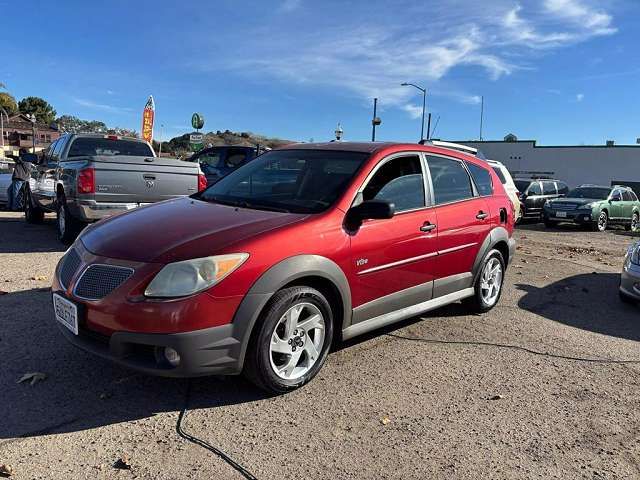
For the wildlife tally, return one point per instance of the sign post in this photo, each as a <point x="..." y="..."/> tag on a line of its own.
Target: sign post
<point x="196" y="139"/>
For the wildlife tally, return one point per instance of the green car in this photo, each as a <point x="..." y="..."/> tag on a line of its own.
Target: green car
<point x="595" y="206"/>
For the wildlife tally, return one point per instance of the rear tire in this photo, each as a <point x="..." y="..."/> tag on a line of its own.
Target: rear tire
<point x="32" y="214"/>
<point x="488" y="285"/>
<point x="549" y="224"/>
<point x="68" y="226"/>
<point x="291" y="340"/>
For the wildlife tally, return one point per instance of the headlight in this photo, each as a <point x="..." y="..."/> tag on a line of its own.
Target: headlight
<point x="586" y="206"/>
<point x="634" y="254"/>
<point x="191" y="276"/>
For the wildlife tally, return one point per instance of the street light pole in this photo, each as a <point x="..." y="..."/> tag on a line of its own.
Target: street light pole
<point x="2" y="112"/>
<point x="424" y="105"/>
<point x="32" y="119"/>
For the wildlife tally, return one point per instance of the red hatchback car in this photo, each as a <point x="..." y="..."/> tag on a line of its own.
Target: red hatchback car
<point x="303" y="246"/>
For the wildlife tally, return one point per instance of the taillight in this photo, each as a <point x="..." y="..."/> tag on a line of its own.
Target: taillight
<point x="202" y="182"/>
<point x="87" y="180"/>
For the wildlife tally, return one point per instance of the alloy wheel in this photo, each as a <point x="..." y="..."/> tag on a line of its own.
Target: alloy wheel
<point x="634" y="222"/>
<point x="491" y="281"/>
<point x="602" y="221"/>
<point x="297" y="341"/>
<point x="62" y="222"/>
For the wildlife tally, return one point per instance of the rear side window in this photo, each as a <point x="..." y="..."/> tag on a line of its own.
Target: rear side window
<point x="399" y="181"/>
<point x="562" y="188"/>
<point x="626" y="196"/>
<point x="450" y="180"/>
<point x="534" y="189"/>
<point x="500" y="175"/>
<point x="634" y="198"/>
<point x="91" y="146"/>
<point x="482" y="179"/>
<point x="548" y="188"/>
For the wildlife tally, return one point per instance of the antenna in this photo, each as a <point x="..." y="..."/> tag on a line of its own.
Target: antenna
<point x="481" y="115"/>
<point x="433" y="132"/>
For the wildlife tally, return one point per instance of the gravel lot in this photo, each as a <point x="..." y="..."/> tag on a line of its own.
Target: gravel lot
<point x="382" y="407"/>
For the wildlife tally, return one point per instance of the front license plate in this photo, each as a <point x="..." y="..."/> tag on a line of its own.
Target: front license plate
<point x="66" y="313"/>
<point x="561" y="214"/>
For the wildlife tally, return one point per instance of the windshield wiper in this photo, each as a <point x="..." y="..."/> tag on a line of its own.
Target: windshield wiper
<point x="244" y="204"/>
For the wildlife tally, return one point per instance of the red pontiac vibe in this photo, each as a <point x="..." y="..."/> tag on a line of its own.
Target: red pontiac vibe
<point x="300" y="247"/>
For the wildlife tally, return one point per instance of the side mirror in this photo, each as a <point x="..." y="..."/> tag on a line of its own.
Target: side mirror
<point x="369" y="210"/>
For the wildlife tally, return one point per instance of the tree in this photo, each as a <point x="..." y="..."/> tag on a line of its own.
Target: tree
<point x="43" y="111"/>
<point x="71" y="124"/>
<point x="7" y="102"/>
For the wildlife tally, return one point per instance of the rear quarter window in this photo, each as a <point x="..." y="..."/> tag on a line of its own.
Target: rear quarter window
<point x="482" y="179"/>
<point x="500" y="175"/>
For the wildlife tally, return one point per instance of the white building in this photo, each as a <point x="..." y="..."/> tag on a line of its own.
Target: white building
<point x="598" y="164"/>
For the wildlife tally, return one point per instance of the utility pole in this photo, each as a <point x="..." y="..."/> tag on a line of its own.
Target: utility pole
<point x="375" y="120"/>
<point x="429" y="127"/>
<point x="481" y="115"/>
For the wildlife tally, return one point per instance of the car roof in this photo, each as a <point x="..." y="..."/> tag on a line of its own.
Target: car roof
<point x="365" y="147"/>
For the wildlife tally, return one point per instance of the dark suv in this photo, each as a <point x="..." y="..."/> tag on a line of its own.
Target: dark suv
<point x="535" y="192"/>
<point x="303" y="245"/>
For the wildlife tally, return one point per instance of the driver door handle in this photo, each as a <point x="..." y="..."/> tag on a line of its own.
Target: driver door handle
<point x="481" y="215"/>
<point x="427" y="227"/>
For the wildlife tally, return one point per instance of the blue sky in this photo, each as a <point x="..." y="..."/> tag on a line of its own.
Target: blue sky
<point x="559" y="71"/>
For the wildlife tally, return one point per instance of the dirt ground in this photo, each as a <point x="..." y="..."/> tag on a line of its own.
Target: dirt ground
<point x="384" y="406"/>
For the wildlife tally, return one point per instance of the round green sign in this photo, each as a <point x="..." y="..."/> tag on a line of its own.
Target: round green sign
<point x="197" y="121"/>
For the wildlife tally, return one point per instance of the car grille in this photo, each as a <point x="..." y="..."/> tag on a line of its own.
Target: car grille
<point x="564" y="206"/>
<point x="98" y="281"/>
<point x="69" y="267"/>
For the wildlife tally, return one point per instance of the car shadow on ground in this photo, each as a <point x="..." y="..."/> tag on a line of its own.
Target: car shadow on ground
<point x="587" y="301"/>
<point x="18" y="236"/>
<point x="82" y="391"/>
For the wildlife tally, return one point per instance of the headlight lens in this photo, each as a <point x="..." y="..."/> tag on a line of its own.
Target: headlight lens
<point x="191" y="276"/>
<point x="586" y="206"/>
<point x="634" y="254"/>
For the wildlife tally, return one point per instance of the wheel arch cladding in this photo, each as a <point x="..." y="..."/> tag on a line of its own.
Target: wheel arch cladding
<point x="497" y="238"/>
<point x="289" y="272"/>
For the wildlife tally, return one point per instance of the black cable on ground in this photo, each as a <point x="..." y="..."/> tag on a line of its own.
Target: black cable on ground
<point x="183" y="413"/>
<point x="512" y="347"/>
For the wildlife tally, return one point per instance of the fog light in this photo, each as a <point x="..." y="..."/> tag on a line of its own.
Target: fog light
<point x="171" y="356"/>
<point x="587" y="217"/>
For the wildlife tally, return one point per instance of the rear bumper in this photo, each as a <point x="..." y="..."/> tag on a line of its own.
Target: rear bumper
<point x="90" y="210"/>
<point x="211" y="351"/>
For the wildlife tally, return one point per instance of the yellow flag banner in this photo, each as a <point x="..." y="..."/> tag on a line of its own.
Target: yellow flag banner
<point x="147" y="119"/>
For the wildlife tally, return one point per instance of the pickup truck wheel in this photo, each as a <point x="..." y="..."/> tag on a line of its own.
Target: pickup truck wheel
<point x="291" y="341"/>
<point x="488" y="285"/>
<point x="68" y="226"/>
<point x="32" y="214"/>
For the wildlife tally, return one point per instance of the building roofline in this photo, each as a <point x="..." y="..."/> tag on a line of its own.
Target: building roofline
<point x="628" y="145"/>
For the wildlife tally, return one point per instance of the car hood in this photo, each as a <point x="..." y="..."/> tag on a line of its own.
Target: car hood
<point x="574" y="201"/>
<point x="179" y="229"/>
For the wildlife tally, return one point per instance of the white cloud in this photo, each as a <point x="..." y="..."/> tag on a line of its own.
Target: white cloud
<point x="414" y="111"/>
<point x="580" y="13"/>
<point x="371" y="58"/>
<point x="579" y="97"/>
<point x="101" y="106"/>
<point x="290" y="5"/>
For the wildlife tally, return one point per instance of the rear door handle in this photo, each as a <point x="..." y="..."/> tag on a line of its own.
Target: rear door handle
<point x="427" y="227"/>
<point x="481" y="215"/>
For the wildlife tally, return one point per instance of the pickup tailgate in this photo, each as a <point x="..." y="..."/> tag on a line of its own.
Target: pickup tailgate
<point x="143" y="179"/>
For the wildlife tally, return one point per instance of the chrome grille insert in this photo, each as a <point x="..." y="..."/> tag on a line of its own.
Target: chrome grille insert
<point x="69" y="267"/>
<point x="99" y="280"/>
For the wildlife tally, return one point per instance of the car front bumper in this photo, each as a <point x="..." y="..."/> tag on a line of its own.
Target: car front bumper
<point x="90" y="210"/>
<point x="630" y="281"/>
<point x="211" y="351"/>
<point x="580" y="217"/>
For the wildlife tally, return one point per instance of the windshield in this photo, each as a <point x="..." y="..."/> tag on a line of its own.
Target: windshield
<point x="600" y="193"/>
<point x="92" y="146"/>
<point x="298" y="181"/>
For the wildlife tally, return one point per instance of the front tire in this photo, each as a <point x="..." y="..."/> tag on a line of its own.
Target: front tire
<point x="602" y="222"/>
<point x="626" y="298"/>
<point x="635" y="222"/>
<point x="488" y="285"/>
<point x="291" y="340"/>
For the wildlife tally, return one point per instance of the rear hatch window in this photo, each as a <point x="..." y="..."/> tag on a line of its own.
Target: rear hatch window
<point x="82" y="147"/>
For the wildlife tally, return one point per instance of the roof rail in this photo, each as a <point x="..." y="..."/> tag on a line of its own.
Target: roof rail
<point x="454" y="146"/>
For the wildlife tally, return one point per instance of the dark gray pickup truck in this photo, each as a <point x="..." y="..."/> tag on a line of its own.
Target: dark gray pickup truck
<point x="85" y="177"/>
